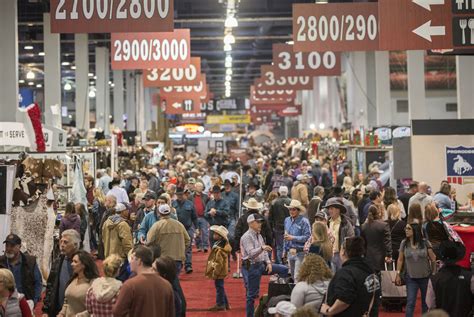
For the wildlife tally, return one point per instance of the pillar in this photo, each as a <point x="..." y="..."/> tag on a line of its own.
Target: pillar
<point x="81" y="49"/>
<point x="357" y="102"/>
<point x="465" y="93"/>
<point x="119" y="102"/>
<point x="9" y="60"/>
<point x="382" y="87"/>
<point x="130" y="100"/>
<point x="416" y="85"/>
<point x="102" y="98"/>
<point x="52" y="68"/>
<point x="316" y="101"/>
<point x="140" y="107"/>
<point x="334" y="101"/>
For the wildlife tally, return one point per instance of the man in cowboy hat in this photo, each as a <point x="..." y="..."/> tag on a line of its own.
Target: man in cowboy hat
<point x="252" y="189"/>
<point x="297" y="232"/>
<point x="300" y="190"/>
<point x="276" y="218"/>
<point x="217" y="209"/>
<point x="375" y="181"/>
<point x="339" y="226"/>
<point x="452" y="288"/>
<point x="118" y="192"/>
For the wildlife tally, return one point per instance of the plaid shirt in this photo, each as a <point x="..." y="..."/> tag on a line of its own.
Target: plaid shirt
<point x="99" y="309"/>
<point x="251" y="245"/>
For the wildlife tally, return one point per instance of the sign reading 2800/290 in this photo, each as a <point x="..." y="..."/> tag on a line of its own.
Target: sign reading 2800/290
<point x="111" y="16"/>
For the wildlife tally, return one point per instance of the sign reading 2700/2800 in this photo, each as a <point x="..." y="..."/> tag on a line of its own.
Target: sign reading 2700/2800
<point x="111" y="16"/>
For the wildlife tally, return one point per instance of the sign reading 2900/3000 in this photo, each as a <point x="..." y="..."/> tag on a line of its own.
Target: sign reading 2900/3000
<point x="335" y="27"/>
<point x="111" y="16"/>
<point x="151" y="50"/>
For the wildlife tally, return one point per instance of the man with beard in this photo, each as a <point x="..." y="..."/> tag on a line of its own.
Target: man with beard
<point x="27" y="275"/>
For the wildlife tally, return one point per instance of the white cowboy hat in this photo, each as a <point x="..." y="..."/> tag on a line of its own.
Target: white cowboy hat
<point x="220" y="230"/>
<point x="376" y="170"/>
<point x="253" y="204"/>
<point x="295" y="204"/>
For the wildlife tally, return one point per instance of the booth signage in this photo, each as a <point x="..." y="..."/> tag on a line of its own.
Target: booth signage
<point x="228" y="119"/>
<point x="460" y="164"/>
<point x="110" y="16"/>
<point x="193" y="91"/>
<point x="261" y="90"/>
<point x="268" y="99"/>
<point x="151" y="50"/>
<point x="181" y="105"/>
<point x="190" y="75"/>
<point x="463" y="23"/>
<point x="14" y="134"/>
<point x="415" y="24"/>
<point x="272" y="78"/>
<point x="291" y="111"/>
<point x="335" y="27"/>
<point x="305" y="64"/>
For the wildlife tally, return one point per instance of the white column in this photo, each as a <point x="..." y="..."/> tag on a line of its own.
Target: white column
<point x="323" y="103"/>
<point x="140" y="98"/>
<point x="357" y="89"/>
<point x="102" y="98"/>
<point x="382" y="87"/>
<point x="416" y="85"/>
<point x="465" y="91"/>
<point x="52" y="67"/>
<point x="370" y="92"/>
<point x="130" y="100"/>
<point x="81" y="50"/>
<point x="334" y="104"/>
<point x="9" y="60"/>
<point x="119" y="102"/>
<point x="316" y="100"/>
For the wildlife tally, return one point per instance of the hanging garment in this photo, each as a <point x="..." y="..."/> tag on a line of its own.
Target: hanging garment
<point x="79" y="193"/>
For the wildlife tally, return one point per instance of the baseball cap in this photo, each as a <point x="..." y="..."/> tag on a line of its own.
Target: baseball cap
<point x="321" y="214"/>
<point x="149" y="195"/>
<point x="284" y="308"/>
<point x="164" y="209"/>
<point x="191" y="180"/>
<point x="179" y="191"/>
<point x="13" y="239"/>
<point x="254" y="217"/>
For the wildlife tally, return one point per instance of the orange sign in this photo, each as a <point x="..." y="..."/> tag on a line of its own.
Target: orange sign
<point x="163" y="77"/>
<point x="272" y="78"/>
<point x="109" y="16"/>
<point x="292" y="63"/>
<point x="261" y="90"/>
<point x="180" y="105"/>
<point x="335" y="27"/>
<point x="194" y="91"/>
<point x="268" y="99"/>
<point x="151" y="50"/>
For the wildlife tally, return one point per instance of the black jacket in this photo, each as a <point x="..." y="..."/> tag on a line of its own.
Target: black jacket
<point x="378" y="243"/>
<point x="452" y="287"/>
<point x="28" y="264"/>
<point x="397" y="234"/>
<point x="242" y="226"/>
<point x="50" y="301"/>
<point x="278" y="212"/>
<point x="354" y="284"/>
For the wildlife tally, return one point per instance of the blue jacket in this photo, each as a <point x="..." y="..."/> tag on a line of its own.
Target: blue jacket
<point x="148" y="222"/>
<point x="300" y="229"/>
<point x="186" y="213"/>
<point x="233" y="201"/>
<point x="222" y="215"/>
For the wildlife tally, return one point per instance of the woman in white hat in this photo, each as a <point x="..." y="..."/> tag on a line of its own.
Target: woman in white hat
<point x="217" y="266"/>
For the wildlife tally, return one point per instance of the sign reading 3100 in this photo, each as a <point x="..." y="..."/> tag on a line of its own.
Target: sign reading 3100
<point x="335" y="27"/>
<point x="111" y="16"/>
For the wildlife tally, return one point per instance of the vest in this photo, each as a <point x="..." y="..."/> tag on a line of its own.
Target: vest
<point x="13" y="305"/>
<point x="452" y="287"/>
<point x="28" y="263"/>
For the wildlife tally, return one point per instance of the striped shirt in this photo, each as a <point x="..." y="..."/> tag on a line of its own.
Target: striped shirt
<point x="251" y="245"/>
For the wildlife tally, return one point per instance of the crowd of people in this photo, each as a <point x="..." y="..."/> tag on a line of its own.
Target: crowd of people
<point x="329" y="236"/>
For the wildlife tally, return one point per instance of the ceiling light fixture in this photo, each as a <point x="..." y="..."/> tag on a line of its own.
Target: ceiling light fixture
<point x="91" y="75"/>
<point x="65" y="63"/>
<point x="227" y="48"/>
<point x="92" y="92"/>
<point x="228" y="58"/>
<point x="39" y="86"/>
<point x="227" y="94"/>
<point x="73" y="67"/>
<point x="228" y="71"/>
<point x="231" y="22"/>
<point x="21" y="81"/>
<point x="30" y="75"/>
<point x="228" y="78"/>
<point x="41" y="54"/>
<point x="67" y="87"/>
<point x="28" y="47"/>
<point x="228" y="64"/>
<point x="229" y="39"/>
<point x="227" y="84"/>
<point x="31" y="83"/>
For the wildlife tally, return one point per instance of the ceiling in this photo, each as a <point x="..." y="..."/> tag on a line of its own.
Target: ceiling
<point x="261" y="23"/>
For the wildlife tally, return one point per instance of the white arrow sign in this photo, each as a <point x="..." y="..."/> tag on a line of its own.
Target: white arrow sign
<point x="176" y="105"/>
<point x="426" y="4"/>
<point x="426" y="31"/>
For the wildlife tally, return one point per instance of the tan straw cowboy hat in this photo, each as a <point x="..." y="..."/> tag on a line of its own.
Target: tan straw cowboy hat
<point x="220" y="230"/>
<point x="295" y="204"/>
<point x="253" y="204"/>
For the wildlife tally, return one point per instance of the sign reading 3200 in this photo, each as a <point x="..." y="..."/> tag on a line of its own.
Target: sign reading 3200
<point x="335" y="27"/>
<point x="111" y="16"/>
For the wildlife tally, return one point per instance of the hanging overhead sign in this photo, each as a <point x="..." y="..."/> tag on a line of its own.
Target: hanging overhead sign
<point x="181" y="104"/>
<point x="111" y="16"/>
<point x="305" y="64"/>
<point x="463" y="24"/>
<point x="151" y="50"/>
<point x="190" y="75"/>
<point x="335" y="27"/>
<point x="272" y="78"/>
<point x="194" y="91"/>
<point x="269" y="97"/>
<point x="415" y="24"/>
<point x="262" y="91"/>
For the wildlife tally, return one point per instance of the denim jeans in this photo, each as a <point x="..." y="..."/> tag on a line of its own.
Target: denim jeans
<point x="231" y="228"/>
<point x="179" y="266"/>
<point x="252" y="278"/>
<point x="189" y="250"/>
<point x="336" y="262"/>
<point x="278" y="245"/>
<point x="413" y="284"/>
<point x="295" y="262"/>
<point x="202" y="240"/>
<point x="279" y="269"/>
<point x="221" y="297"/>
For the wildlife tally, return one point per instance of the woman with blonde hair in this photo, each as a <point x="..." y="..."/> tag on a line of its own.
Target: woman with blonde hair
<point x="397" y="228"/>
<point x="102" y="294"/>
<point x="314" y="277"/>
<point x="12" y="302"/>
<point x="321" y="245"/>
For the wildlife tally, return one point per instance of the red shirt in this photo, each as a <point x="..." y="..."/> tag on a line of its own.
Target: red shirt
<point x="199" y="206"/>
